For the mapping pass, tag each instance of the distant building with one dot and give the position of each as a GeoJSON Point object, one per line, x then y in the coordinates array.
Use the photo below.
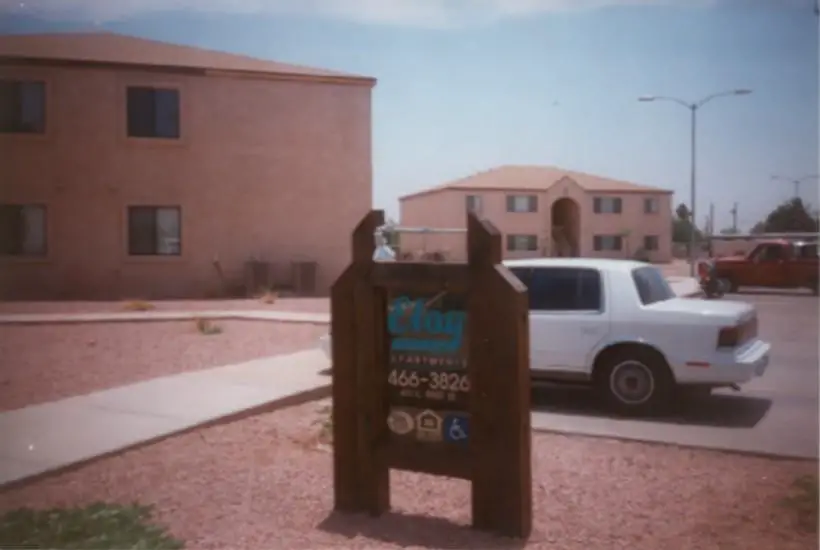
{"type": "Point", "coordinates": [545, 211]}
{"type": "Point", "coordinates": [136, 168]}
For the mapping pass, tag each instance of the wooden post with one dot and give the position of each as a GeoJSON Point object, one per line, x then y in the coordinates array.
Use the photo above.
{"type": "Point", "coordinates": [438, 352]}
{"type": "Point", "coordinates": [500, 384]}
{"type": "Point", "coordinates": [359, 484]}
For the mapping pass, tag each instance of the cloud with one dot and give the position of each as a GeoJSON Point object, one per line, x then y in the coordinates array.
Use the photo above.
{"type": "Point", "coordinates": [420, 13]}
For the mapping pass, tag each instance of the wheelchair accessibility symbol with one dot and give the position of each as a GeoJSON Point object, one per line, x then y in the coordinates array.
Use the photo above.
{"type": "Point", "coordinates": [456, 428]}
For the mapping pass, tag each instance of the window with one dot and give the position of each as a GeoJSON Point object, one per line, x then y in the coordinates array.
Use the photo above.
{"type": "Point", "coordinates": [769, 253]}
{"type": "Point", "coordinates": [22, 107]}
{"type": "Point", "coordinates": [808, 251]}
{"type": "Point", "coordinates": [154, 231]}
{"type": "Point", "coordinates": [607, 205]}
{"type": "Point", "coordinates": [607, 242]}
{"type": "Point", "coordinates": [650, 242]}
{"type": "Point", "coordinates": [522, 242]}
{"type": "Point", "coordinates": [522, 203]}
{"type": "Point", "coordinates": [562, 288]}
{"type": "Point", "coordinates": [651, 285]}
{"type": "Point", "coordinates": [651, 206]}
{"type": "Point", "coordinates": [473, 203]}
{"type": "Point", "coordinates": [153, 112]}
{"type": "Point", "coordinates": [22, 230]}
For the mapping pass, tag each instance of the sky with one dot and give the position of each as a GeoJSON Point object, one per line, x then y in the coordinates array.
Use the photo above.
{"type": "Point", "coordinates": [466, 85]}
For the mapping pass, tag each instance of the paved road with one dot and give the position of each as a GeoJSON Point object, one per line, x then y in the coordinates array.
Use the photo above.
{"type": "Point", "coordinates": [775, 414]}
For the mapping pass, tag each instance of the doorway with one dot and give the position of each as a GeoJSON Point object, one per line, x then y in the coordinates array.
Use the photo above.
{"type": "Point", "coordinates": [566, 228]}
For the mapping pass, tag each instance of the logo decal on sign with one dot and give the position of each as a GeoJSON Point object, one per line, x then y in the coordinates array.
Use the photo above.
{"type": "Point", "coordinates": [400, 422]}
{"type": "Point", "coordinates": [456, 428]}
{"type": "Point", "coordinates": [428, 426]}
{"type": "Point", "coordinates": [415, 328]}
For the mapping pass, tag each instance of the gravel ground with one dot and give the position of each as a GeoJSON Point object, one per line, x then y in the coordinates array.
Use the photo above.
{"type": "Point", "coordinates": [308, 305]}
{"type": "Point", "coordinates": [40, 363]}
{"type": "Point", "coordinates": [264, 482]}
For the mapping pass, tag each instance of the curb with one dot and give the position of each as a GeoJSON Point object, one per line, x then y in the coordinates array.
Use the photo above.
{"type": "Point", "coordinates": [305, 396]}
{"type": "Point", "coordinates": [685, 446]}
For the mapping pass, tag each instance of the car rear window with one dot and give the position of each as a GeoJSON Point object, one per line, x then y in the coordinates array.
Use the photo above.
{"type": "Point", "coordinates": [651, 285]}
{"type": "Point", "coordinates": [562, 288]}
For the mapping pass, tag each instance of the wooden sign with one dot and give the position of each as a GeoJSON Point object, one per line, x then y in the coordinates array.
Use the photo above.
{"type": "Point", "coordinates": [431, 374]}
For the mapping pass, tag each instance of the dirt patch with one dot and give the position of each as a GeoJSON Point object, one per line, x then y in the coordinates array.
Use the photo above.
{"type": "Point", "coordinates": [40, 363]}
{"type": "Point", "coordinates": [307, 305]}
{"type": "Point", "coordinates": [265, 482]}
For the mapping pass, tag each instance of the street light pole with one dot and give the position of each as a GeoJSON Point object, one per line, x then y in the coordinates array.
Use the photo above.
{"type": "Point", "coordinates": [693, 108]}
{"type": "Point", "coordinates": [692, 190]}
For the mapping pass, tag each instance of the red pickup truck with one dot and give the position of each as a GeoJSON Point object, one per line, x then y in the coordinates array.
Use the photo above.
{"type": "Point", "coordinates": [775, 264]}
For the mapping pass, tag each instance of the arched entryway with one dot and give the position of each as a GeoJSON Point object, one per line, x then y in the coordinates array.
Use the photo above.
{"type": "Point", "coordinates": [566, 228]}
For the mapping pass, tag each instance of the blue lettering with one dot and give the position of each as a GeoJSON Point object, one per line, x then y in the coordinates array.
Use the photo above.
{"type": "Point", "coordinates": [422, 330]}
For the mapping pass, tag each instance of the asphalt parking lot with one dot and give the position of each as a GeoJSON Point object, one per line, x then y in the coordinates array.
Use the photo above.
{"type": "Point", "coordinates": [776, 414]}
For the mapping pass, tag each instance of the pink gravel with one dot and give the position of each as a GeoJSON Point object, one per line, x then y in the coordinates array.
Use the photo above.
{"type": "Point", "coordinates": [307, 305]}
{"type": "Point", "coordinates": [40, 363]}
{"type": "Point", "coordinates": [263, 482]}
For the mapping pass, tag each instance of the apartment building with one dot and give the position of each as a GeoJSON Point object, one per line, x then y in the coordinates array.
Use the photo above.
{"type": "Point", "coordinates": [545, 211]}
{"type": "Point", "coordinates": [133, 168]}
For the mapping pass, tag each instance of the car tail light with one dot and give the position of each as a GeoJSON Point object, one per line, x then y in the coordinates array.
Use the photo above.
{"type": "Point", "coordinates": [728, 337]}
{"type": "Point", "coordinates": [732, 337]}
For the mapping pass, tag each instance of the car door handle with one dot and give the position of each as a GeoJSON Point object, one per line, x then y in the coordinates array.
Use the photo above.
{"type": "Point", "coordinates": [590, 331]}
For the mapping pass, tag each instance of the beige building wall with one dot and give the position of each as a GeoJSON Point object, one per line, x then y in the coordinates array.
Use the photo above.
{"type": "Point", "coordinates": [447, 208]}
{"type": "Point", "coordinates": [268, 168]}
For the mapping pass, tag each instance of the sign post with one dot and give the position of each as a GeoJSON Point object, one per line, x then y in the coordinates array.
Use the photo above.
{"type": "Point", "coordinates": [431, 374]}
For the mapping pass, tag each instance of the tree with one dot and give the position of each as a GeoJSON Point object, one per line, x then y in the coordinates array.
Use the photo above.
{"type": "Point", "coordinates": [682, 226]}
{"type": "Point", "coordinates": [791, 216]}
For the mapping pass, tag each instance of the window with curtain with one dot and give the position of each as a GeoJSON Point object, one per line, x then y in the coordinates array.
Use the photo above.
{"type": "Point", "coordinates": [607, 242]}
{"type": "Point", "coordinates": [522, 203]}
{"type": "Point", "coordinates": [22, 230]}
{"type": "Point", "coordinates": [154, 231]}
{"type": "Point", "coordinates": [607, 205]}
{"type": "Point", "coordinates": [153, 112]}
{"type": "Point", "coordinates": [22, 107]}
{"type": "Point", "coordinates": [522, 242]}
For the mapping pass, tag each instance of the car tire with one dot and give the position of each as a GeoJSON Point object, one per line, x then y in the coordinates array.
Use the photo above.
{"type": "Point", "coordinates": [733, 287]}
{"type": "Point", "coordinates": [635, 382]}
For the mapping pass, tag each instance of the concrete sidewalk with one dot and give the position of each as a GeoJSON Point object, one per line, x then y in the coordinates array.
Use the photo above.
{"type": "Point", "coordinates": [43, 438]}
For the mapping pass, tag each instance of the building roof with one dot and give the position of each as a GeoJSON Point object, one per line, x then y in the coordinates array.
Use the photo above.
{"type": "Point", "coordinates": [103, 48]}
{"type": "Point", "coordinates": [537, 178]}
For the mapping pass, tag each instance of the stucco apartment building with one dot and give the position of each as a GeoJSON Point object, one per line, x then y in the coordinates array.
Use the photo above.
{"type": "Point", "coordinates": [544, 211]}
{"type": "Point", "coordinates": [132, 168]}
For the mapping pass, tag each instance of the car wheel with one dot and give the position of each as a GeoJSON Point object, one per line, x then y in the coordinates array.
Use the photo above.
{"type": "Point", "coordinates": [636, 382]}
{"type": "Point", "coordinates": [732, 285]}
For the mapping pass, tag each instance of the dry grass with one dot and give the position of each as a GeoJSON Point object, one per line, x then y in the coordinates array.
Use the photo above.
{"type": "Point", "coordinates": [803, 501]}
{"type": "Point", "coordinates": [268, 297]}
{"type": "Point", "coordinates": [207, 327]}
{"type": "Point", "coordinates": [138, 305]}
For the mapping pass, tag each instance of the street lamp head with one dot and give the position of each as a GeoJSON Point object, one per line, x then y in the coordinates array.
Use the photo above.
{"type": "Point", "coordinates": [646, 98]}
{"type": "Point", "coordinates": [742, 91]}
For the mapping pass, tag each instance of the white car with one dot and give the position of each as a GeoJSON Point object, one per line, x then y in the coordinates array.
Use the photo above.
{"type": "Point", "coordinates": [618, 324]}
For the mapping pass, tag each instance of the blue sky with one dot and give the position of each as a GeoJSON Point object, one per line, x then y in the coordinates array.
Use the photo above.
{"type": "Point", "coordinates": [468, 85]}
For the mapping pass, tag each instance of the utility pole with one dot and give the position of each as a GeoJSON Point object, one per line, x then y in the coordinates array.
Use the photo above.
{"type": "Point", "coordinates": [795, 181]}
{"type": "Point", "coordinates": [711, 218]}
{"type": "Point", "coordinates": [734, 218]}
